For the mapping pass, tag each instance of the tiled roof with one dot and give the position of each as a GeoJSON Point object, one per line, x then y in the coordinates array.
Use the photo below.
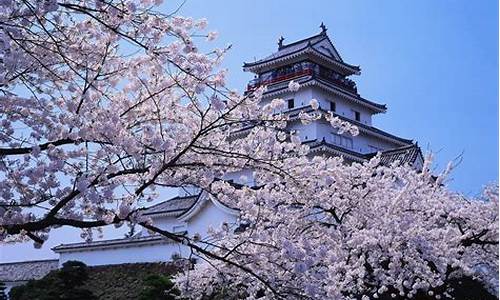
{"type": "Point", "coordinates": [136, 240]}
{"type": "Point", "coordinates": [312, 42]}
{"type": "Point", "coordinates": [176, 205]}
{"type": "Point", "coordinates": [403, 155]}
{"type": "Point", "coordinates": [27, 270]}
{"type": "Point", "coordinates": [348, 154]}
{"type": "Point", "coordinates": [408, 154]}
{"type": "Point", "coordinates": [291, 48]}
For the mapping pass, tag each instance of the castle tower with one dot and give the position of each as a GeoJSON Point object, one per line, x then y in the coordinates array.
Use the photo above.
{"type": "Point", "coordinates": [323, 75]}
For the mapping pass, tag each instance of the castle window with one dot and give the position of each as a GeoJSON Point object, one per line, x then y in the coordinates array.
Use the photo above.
{"type": "Point", "coordinates": [347, 142]}
{"type": "Point", "coordinates": [333, 106]}
{"type": "Point", "coordinates": [357, 116]}
{"type": "Point", "coordinates": [291, 103]}
{"type": "Point", "coordinates": [341, 140]}
{"type": "Point", "coordinates": [336, 139]}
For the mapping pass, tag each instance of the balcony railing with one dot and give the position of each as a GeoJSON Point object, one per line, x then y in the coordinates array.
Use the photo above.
{"type": "Point", "coordinates": [282, 77]}
{"type": "Point", "coordinates": [314, 71]}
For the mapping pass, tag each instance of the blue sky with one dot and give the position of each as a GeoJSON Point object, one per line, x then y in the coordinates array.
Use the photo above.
{"type": "Point", "coordinates": [434, 63]}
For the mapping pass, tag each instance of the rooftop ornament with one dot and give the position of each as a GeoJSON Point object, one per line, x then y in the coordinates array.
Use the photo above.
{"type": "Point", "coordinates": [280, 42]}
{"type": "Point", "coordinates": [323, 28]}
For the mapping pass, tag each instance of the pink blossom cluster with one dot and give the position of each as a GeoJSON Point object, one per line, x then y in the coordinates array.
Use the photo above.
{"type": "Point", "coordinates": [363, 231]}
{"type": "Point", "coordinates": [104, 104]}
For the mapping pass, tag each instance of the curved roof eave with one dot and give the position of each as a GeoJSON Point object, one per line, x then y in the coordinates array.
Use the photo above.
{"type": "Point", "coordinates": [199, 204]}
{"type": "Point", "coordinates": [375, 107]}
{"type": "Point", "coordinates": [269, 63]}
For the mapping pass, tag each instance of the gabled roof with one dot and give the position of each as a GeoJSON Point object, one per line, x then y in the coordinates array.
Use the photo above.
{"type": "Point", "coordinates": [175, 206]}
{"type": "Point", "coordinates": [27, 270]}
{"type": "Point", "coordinates": [319, 44]}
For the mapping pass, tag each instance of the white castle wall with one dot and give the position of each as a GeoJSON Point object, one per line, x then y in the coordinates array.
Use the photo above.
{"type": "Point", "coordinates": [169, 223]}
{"type": "Point", "coordinates": [344, 107]}
{"type": "Point", "coordinates": [213, 214]}
{"type": "Point", "coordinates": [209, 215]}
{"type": "Point", "coordinates": [362, 143]}
{"type": "Point", "coordinates": [137, 254]}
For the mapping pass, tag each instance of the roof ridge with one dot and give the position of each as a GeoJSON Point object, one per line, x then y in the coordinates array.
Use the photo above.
{"type": "Point", "coordinates": [405, 147]}
{"type": "Point", "coordinates": [303, 40]}
{"type": "Point", "coordinates": [109, 241]}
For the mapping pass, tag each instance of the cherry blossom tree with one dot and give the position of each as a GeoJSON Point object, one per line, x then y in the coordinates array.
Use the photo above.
{"type": "Point", "coordinates": [363, 231]}
{"type": "Point", "coordinates": [105, 103]}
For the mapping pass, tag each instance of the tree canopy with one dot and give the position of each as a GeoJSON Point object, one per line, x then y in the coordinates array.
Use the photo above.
{"type": "Point", "coordinates": [66, 283]}
{"type": "Point", "coordinates": [104, 103]}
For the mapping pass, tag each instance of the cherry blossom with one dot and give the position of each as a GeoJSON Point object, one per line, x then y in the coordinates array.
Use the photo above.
{"type": "Point", "coordinates": [106, 103]}
{"type": "Point", "coordinates": [293, 86]}
{"type": "Point", "coordinates": [364, 231]}
{"type": "Point", "coordinates": [314, 104]}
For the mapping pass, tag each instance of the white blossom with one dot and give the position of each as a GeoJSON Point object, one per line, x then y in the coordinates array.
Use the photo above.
{"type": "Point", "coordinates": [293, 86]}
{"type": "Point", "coordinates": [314, 104]}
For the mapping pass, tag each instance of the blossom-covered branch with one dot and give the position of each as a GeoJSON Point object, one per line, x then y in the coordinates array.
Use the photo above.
{"type": "Point", "coordinates": [106, 103]}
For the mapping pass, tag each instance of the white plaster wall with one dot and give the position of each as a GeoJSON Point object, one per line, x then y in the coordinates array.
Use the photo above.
{"type": "Point", "coordinates": [301, 98]}
{"type": "Point", "coordinates": [138, 254]}
{"type": "Point", "coordinates": [306, 132]}
{"type": "Point", "coordinates": [209, 215]}
{"type": "Point", "coordinates": [169, 223]}
{"type": "Point", "coordinates": [369, 140]}
{"type": "Point", "coordinates": [343, 107]}
{"type": "Point", "coordinates": [361, 142]}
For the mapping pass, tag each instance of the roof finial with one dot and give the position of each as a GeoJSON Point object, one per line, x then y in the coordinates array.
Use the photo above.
{"type": "Point", "coordinates": [323, 28]}
{"type": "Point", "coordinates": [280, 42]}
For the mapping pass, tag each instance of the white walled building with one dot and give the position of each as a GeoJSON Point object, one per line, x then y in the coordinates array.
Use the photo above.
{"type": "Point", "coordinates": [323, 75]}
{"type": "Point", "coordinates": [188, 214]}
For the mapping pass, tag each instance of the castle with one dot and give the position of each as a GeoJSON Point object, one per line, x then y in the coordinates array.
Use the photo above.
{"type": "Point", "coordinates": [317, 66]}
